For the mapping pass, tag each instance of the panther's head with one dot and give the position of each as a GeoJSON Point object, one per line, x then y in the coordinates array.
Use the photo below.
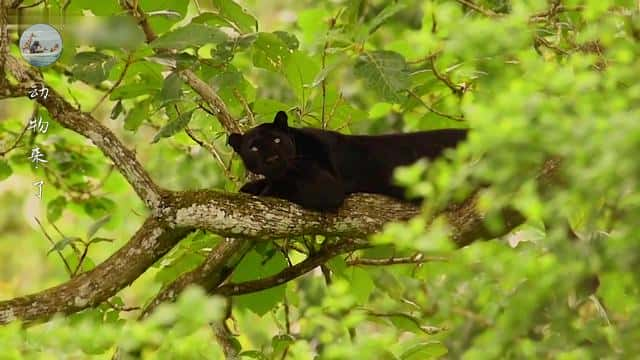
{"type": "Point", "coordinates": [267, 149]}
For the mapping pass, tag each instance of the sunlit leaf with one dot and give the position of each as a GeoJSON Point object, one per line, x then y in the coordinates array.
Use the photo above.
{"type": "Point", "coordinates": [97, 225]}
{"type": "Point", "coordinates": [174, 126]}
{"type": "Point", "coordinates": [385, 72]}
{"type": "Point", "coordinates": [191, 35]}
{"type": "Point", "coordinates": [5, 169]}
{"type": "Point", "coordinates": [92, 67]}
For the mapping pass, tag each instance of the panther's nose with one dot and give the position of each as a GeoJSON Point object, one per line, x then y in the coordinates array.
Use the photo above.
{"type": "Point", "coordinates": [271, 159]}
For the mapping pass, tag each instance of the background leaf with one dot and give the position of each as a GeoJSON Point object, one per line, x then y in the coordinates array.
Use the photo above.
{"type": "Point", "coordinates": [385, 72]}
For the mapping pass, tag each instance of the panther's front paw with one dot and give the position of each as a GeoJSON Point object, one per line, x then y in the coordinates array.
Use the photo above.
{"type": "Point", "coordinates": [254, 187]}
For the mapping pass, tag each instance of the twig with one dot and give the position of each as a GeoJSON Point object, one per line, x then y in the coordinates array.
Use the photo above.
{"type": "Point", "coordinates": [115, 85]}
{"type": "Point", "coordinates": [470, 4]}
{"type": "Point", "coordinates": [555, 9]}
{"type": "Point", "coordinates": [418, 258]}
{"type": "Point", "coordinates": [287, 323]}
{"type": "Point", "coordinates": [245, 104]}
{"type": "Point", "coordinates": [121, 308]}
{"type": "Point", "coordinates": [332, 24]}
{"type": "Point", "coordinates": [211, 149]}
{"type": "Point", "coordinates": [456, 89]}
{"type": "Point", "coordinates": [431, 109]}
{"type": "Point", "coordinates": [53, 244]}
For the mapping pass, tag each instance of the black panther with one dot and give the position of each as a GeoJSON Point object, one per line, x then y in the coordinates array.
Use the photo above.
{"type": "Point", "coordinates": [317, 168]}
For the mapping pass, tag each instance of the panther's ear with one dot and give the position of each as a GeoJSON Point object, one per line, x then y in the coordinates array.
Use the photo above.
{"type": "Point", "coordinates": [235, 140]}
{"type": "Point", "coordinates": [280, 120]}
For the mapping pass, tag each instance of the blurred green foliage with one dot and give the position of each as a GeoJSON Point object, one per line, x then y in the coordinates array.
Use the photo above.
{"type": "Point", "coordinates": [534, 80]}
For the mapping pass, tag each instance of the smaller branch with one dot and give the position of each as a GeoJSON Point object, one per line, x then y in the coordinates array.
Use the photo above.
{"type": "Point", "coordinates": [555, 9]}
{"type": "Point", "coordinates": [211, 273]}
{"type": "Point", "coordinates": [212, 150]}
{"type": "Point", "coordinates": [15, 4]}
{"type": "Point", "coordinates": [290, 273]}
{"type": "Point", "coordinates": [121, 308]}
{"type": "Point", "coordinates": [424, 58]}
{"type": "Point", "coordinates": [540, 41]}
{"type": "Point", "coordinates": [224, 339]}
{"type": "Point", "coordinates": [470, 4]}
{"type": "Point", "coordinates": [224, 336]}
{"type": "Point", "coordinates": [141, 17]}
{"type": "Point", "coordinates": [431, 109]}
{"type": "Point", "coordinates": [287, 324]}
{"type": "Point", "coordinates": [32, 5]}
{"type": "Point", "coordinates": [418, 258]}
{"type": "Point", "coordinates": [456, 89]}
{"type": "Point", "coordinates": [245, 104]}
{"type": "Point", "coordinates": [218, 106]}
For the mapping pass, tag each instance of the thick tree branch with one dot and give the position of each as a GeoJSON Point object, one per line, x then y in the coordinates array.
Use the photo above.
{"type": "Point", "coordinates": [85, 125]}
{"type": "Point", "coordinates": [149, 244]}
{"type": "Point", "coordinates": [260, 218]}
{"type": "Point", "coordinates": [4, 38]}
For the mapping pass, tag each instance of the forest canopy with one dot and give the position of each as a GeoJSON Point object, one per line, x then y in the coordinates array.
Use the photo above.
{"type": "Point", "coordinates": [127, 238]}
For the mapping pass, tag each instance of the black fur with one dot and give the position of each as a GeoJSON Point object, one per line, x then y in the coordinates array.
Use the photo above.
{"type": "Point", "coordinates": [317, 169]}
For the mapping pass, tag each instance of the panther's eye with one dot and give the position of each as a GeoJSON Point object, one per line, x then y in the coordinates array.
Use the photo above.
{"type": "Point", "coordinates": [253, 148]}
{"type": "Point", "coordinates": [276, 140]}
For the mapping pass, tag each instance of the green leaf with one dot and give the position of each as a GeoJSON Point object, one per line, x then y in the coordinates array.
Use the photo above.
{"type": "Point", "coordinates": [101, 239]}
{"type": "Point", "coordinates": [171, 89]}
{"type": "Point", "coordinates": [97, 207]}
{"type": "Point", "coordinates": [55, 208]}
{"type": "Point", "coordinates": [384, 15]}
{"type": "Point", "coordinates": [136, 116]}
{"type": "Point", "coordinates": [280, 342]}
{"type": "Point", "coordinates": [252, 267]}
{"type": "Point", "coordinates": [385, 72]}
{"type": "Point", "coordinates": [270, 52]}
{"type": "Point", "coordinates": [117, 110]}
{"type": "Point", "coordinates": [361, 284]}
{"type": "Point", "coordinates": [60, 245]}
{"type": "Point", "coordinates": [212, 19]}
{"type": "Point", "coordinates": [191, 35]}
{"type": "Point", "coordinates": [231, 84]}
{"type": "Point", "coordinates": [134, 89]}
{"type": "Point", "coordinates": [174, 126]}
{"type": "Point", "coordinates": [426, 350]}
{"type": "Point", "coordinates": [288, 38]}
{"type": "Point", "coordinates": [183, 263]}
{"type": "Point", "coordinates": [300, 70]}
{"type": "Point", "coordinates": [266, 109]}
{"type": "Point", "coordinates": [97, 225]}
{"type": "Point", "coordinates": [5, 169]}
{"type": "Point", "coordinates": [92, 67]}
{"type": "Point", "coordinates": [236, 14]}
